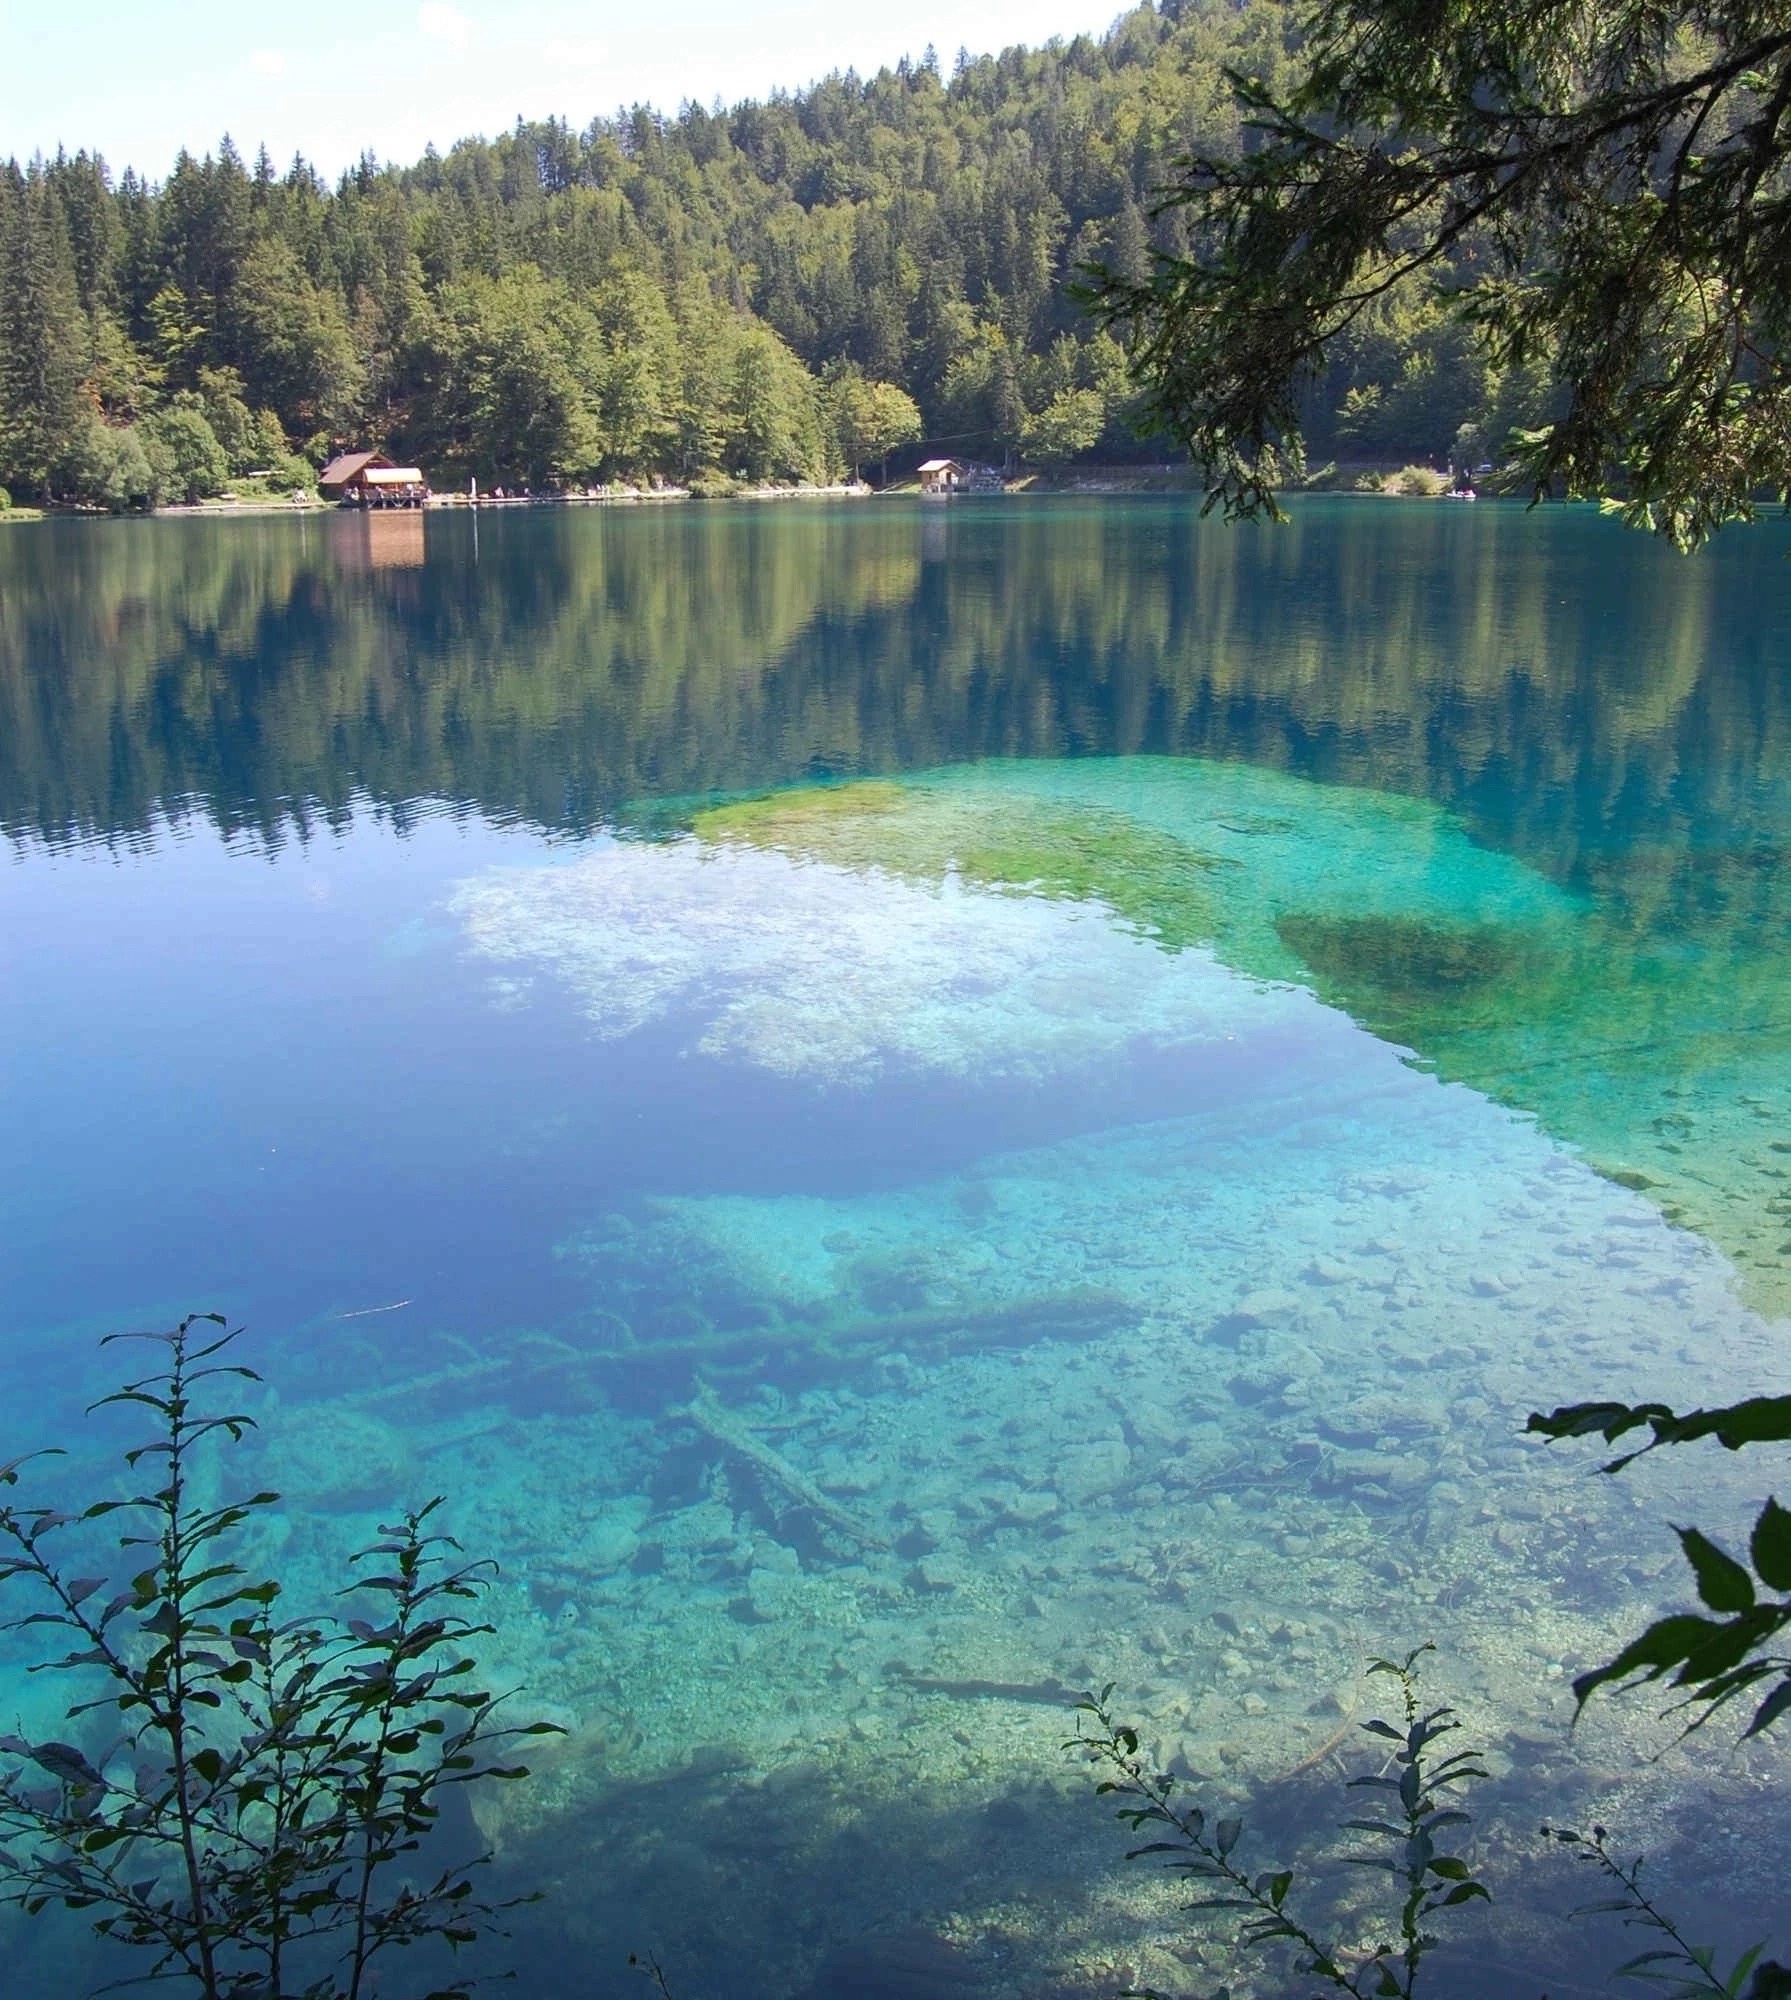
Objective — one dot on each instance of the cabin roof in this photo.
(342, 469)
(942, 465)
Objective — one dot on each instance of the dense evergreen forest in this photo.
(784, 291)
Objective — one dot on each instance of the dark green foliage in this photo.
(672, 297)
(1686, 1971)
(1600, 195)
(251, 1809)
(1718, 1658)
(1758, 1420)
(191, 463)
(40, 345)
(1401, 963)
(1421, 1805)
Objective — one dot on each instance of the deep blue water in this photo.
(1354, 953)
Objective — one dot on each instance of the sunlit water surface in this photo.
(911, 1110)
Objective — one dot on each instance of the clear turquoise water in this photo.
(1124, 1055)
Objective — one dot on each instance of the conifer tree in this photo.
(40, 333)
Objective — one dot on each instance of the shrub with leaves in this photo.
(1736, 1649)
(251, 1809)
(1422, 1787)
(1686, 1971)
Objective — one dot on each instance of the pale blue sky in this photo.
(138, 79)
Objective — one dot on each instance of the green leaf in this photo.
(1741, 1968)
(1665, 1644)
(1758, 1420)
(1770, 1710)
(1727, 1646)
(1770, 1546)
(1722, 1582)
(1609, 1421)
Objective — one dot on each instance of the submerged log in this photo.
(728, 1429)
(842, 1344)
(1084, 1314)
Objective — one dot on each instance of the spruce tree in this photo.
(40, 334)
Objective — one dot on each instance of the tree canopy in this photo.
(672, 296)
(1590, 203)
(1397, 234)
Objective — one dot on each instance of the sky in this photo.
(332, 78)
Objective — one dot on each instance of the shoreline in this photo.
(1022, 489)
(1093, 483)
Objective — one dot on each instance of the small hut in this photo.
(366, 479)
(941, 477)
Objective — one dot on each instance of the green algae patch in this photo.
(1390, 971)
(1156, 883)
(781, 819)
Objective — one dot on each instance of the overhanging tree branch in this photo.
(1606, 196)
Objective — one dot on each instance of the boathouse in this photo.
(942, 477)
(365, 479)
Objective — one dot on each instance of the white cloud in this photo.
(442, 23)
(268, 62)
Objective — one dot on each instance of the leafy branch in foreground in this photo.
(1713, 1659)
(1602, 192)
(250, 1806)
(1422, 1807)
(1688, 1971)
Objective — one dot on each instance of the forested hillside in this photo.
(781, 291)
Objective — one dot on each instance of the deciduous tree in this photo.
(1600, 190)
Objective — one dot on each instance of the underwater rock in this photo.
(939, 1573)
(1088, 1471)
(930, 1528)
(613, 1540)
(1257, 1309)
(1357, 1471)
(335, 1459)
(705, 1529)
(1365, 1418)
(770, 1594)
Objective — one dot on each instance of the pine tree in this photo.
(41, 342)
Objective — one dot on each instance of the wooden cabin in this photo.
(940, 478)
(366, 479)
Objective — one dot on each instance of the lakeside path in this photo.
(1087, 483)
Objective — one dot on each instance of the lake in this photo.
(909, 1109)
